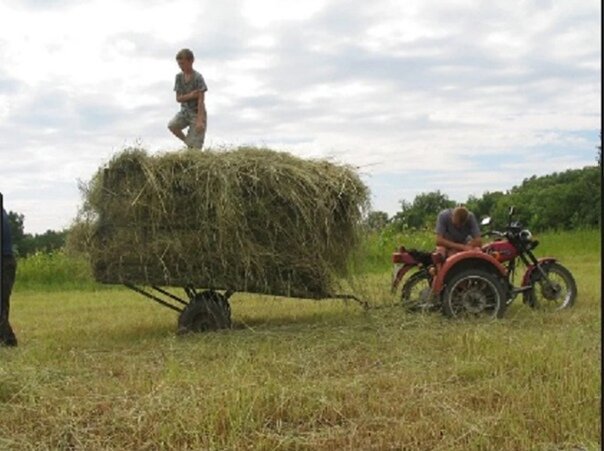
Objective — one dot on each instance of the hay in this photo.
(246, 219)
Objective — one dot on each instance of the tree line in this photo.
(26, 244)
(562, 201)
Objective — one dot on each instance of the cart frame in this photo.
(208, 309)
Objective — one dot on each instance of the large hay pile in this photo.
(247, 219)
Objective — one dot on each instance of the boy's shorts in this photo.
(184, 119)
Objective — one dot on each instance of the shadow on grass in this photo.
(311, 318)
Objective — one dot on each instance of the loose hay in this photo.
(246, 219)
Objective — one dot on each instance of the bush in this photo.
(378, 247)
(54, 270)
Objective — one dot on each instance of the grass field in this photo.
(103, 369)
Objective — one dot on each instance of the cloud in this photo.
(463, 96)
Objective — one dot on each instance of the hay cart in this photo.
(247, 220)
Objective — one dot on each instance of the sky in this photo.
(461, 96)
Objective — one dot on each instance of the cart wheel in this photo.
(207, 310)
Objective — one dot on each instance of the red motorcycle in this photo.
(481, 282)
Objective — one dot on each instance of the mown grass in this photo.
(105, 370)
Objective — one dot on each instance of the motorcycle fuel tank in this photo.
(501, 250)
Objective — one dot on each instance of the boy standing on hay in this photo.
(190, 90)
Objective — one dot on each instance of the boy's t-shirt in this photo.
(181, 87)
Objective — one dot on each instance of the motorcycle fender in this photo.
(455, 259)
(526, 280)
(398, 273)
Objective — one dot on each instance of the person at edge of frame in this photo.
(456, 230)
(190, 88)
(9, 268)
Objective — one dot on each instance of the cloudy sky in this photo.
(465, 96)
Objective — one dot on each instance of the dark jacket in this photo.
(7, 243)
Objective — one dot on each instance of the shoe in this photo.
(7, 336)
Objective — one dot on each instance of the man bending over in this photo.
(456, 230)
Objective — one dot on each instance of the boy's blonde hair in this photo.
(185, 54)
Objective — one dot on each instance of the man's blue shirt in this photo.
(446, 228)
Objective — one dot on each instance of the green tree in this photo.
(377, 220)
(48, 241)
(485, 205)
(562, 200)
(423, 211)
(16, 221)
(26, 244)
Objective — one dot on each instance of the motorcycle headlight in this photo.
(526, 235)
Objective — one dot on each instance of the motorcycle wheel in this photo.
(474, 293)
(416, 295)
(561, 294)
